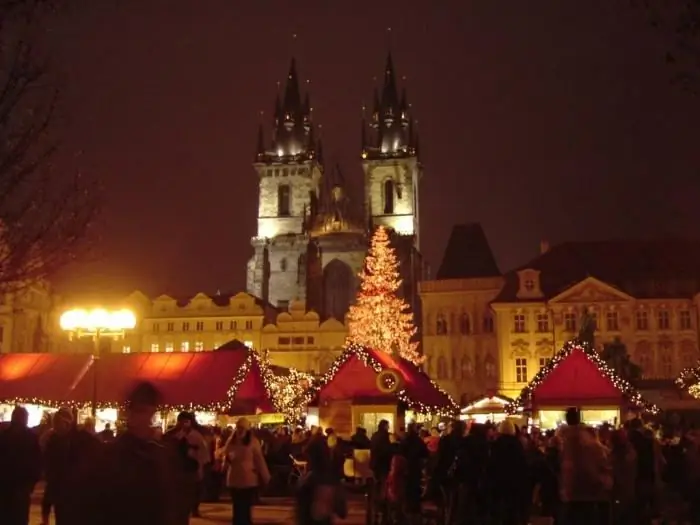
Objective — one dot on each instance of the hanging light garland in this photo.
(524, 400)
(689, 379)
(449, 409)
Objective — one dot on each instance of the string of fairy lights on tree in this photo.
(689, 379)
(380, 319)
(287, 389)
(449, 409)
(524, 400)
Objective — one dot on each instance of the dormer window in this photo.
(529, 284)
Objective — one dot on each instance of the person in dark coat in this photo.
(70, 454)
(133, 480)
(507, 475)
(20, 468)
(381, 452)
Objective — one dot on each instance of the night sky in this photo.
(541, 120)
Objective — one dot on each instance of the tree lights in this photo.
(689, 379)
(380, 319)
(630, 393)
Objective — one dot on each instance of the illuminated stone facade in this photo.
(311, 240)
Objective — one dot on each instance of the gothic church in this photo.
(311, 240)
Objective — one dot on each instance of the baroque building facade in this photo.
(644, 293)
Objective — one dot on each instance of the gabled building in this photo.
(643, 292)
(459, 339)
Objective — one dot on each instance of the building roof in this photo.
(657, 268)
(45, 379)
(354, 375)
(219, 381)
(468, 254)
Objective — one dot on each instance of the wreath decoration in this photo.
(389, 381)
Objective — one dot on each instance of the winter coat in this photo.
(585, 468)
(246, 464)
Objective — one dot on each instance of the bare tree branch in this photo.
(679, 21)
(45, 214)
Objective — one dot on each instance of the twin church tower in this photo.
(311, 239)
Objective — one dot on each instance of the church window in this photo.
(521, 370)
(283, 198)
(283, 265)
(338, 289)
(465, 327)
(389, 196)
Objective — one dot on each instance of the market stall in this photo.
(364, 386)
(39, 382)
(486, 408)
(577, 377)
(226, 382)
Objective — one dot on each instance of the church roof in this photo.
(468, 254)
(640, 268)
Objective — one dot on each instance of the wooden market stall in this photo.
(364, 386)
(491, 407)
(577, 377)
(40, 382)
(230, 381)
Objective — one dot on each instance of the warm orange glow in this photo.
(17, 366)
(97, 320)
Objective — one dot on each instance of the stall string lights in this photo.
(689, 379)
(450, 409)
(628, 391)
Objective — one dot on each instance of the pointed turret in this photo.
(390, 121)
(292, 133)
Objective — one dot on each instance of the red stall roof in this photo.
(577, 376)
(354, 376)
(46, 379)
(192, 380)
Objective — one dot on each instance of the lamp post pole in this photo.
(96, 370)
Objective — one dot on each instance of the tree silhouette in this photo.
(44, 214)
(616, 357)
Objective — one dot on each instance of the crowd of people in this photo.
(471, 473)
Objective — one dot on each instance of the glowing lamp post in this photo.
(96, 324)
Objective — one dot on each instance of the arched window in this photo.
(440, 325)
(467, 367)
(441, 368)
(388, 196)
(283, 198)
(338, 289)
(283, 265)
(465, 326)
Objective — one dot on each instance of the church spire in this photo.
(292, 133)
(390, 123)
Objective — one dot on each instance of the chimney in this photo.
(544, 247)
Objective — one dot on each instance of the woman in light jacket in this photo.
(247, 471)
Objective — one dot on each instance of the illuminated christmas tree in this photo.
(380, 319)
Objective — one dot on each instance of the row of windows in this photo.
(199, 326)
(299, 340)
(521, 367)
(184, 347)
(612, 321)
(285, 172)
(465, 369)
(463, 325)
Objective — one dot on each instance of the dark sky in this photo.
(541, 120)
